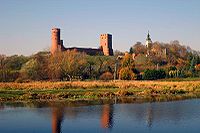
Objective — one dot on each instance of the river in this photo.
(177, 116)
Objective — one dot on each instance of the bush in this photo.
(8, 75)
(106, 76)
(126, 74)
(154, 74)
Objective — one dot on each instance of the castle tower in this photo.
(106, 44)
(148, 41)
(55, 39)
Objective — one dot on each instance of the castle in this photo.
(105, 45)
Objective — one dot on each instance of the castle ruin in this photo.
(105, 45)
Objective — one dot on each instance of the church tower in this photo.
(148, 41)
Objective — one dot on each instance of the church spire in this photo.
(148, 41)
(148, 36)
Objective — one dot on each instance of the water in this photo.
(178, 116)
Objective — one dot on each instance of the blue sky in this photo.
(26, 24)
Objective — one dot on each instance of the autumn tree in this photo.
(139, 48)
(127, 68)
(66, 65)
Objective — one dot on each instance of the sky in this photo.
(25, 25)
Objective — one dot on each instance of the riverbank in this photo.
(95, 90)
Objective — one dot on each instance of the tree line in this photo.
(178, 62)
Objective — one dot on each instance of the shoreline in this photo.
(100, 90)
(79, 103)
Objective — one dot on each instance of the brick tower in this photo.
(106, 44)
(55, 39)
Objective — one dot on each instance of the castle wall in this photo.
(89, 51)
(105, 43)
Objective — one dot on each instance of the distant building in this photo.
(105, 45)
(149, 44)
(151, 49)
(148, 41)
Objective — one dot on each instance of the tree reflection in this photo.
(107, 116)
(1, 107)
(149, 115)
(57, 118)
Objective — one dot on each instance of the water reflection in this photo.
(99, 118)
(57, 118)
(149, 115)
(58, 113)
(107, 116)
(1, 107)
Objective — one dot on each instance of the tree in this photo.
(192, 66)
(174, 73)
(35, 68)
(118, 53)
(127, 68)
(54, 66)
(67, 65)
(138, 48)
(15, 62)
(131, 50)
(29, 70)
(97, 65)
(2, 62)
(6, 73)
(128, 61)
(126, 74)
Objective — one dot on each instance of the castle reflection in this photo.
(57, 118)
(62, 117)
(58, 113)
(107, 116)
(104, 115)
(146, 113)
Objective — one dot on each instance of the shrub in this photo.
(8, 75)
(106, 76)
(126, 74)
(154, 74)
